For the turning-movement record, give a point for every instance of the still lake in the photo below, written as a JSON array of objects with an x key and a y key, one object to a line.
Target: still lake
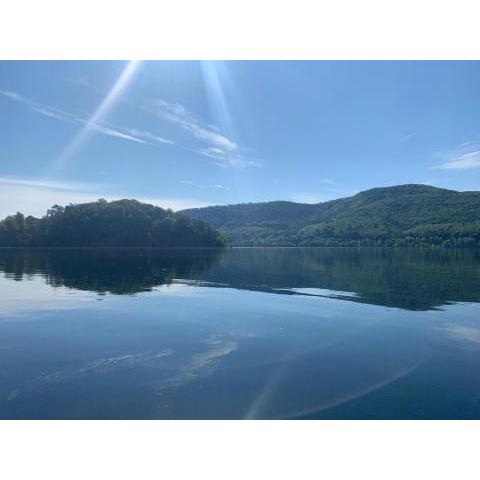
[{"x": 239, "y": 333}]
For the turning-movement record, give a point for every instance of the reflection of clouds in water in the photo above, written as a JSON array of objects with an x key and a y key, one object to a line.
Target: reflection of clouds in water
[
  {"x": 200, "y": 365},
  {"x": 197, "y": 366},
  {"x": 178, "y": 288},
  {"x": 203, "y": 363},
  {"x": 308, "y": 292},
  {"x": 461, "y": 332},
  {"x": 322, "y": 292},
  {"x": 102, "y": 366}
]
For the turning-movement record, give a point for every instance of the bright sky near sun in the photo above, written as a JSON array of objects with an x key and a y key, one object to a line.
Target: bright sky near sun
[{"x": 183, "y": 134}]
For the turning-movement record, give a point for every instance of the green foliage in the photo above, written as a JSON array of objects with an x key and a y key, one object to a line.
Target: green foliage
[
  {"x": 405, "y": 215},
  {"x": 102, "y": 223}
]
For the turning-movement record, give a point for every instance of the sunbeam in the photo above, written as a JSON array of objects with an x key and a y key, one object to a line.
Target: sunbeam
[
  {"x": 214, "y": 77},
  {"x": 100, "y": 113},
  {"x": 220, "y": 89}
]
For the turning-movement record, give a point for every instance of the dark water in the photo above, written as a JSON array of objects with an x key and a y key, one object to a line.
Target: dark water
[{"x": 241, "y": 333}]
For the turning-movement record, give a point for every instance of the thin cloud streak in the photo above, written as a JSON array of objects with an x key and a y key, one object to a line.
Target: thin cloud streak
[
  {"x": 178, "y": 114},
  {"x": 198, "y": 185},
  {"x": 133, "y": 135},
  {"x": 226, "y": 159},
  {"x": 223, "y": 150},
  {"x": 39, "y": 107},
  {"x": 406, "y": 138},
  {"x": 51, "y": 184},
  {"x": 112, "y": 132},
  {"x": 150, "y": 136},
  {"x": 466, "y": 161}
]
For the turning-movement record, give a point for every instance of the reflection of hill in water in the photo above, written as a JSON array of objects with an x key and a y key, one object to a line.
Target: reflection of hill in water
[
  {"x": 412, "y": 279},
  {"x": 119, "y": 271}
]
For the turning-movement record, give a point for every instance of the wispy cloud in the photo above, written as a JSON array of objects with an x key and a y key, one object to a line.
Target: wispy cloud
[
  {"x": 326, "y": 181},
  {"x": 223, "y": 150},
  {"x": 406, "y": 138},
  {"x": 224, "y": 158},
  {"x": 112, "y": 131},
  {"x": 466, "y": 161},
  {"x": 465, "y": 157},
  {"x": 176, "y": 113},
  {"x": 50, "y": 113},
  {"x": 39, "y": 107},
  {"x": 213, "y": 145},
  {"x": 218, "y": 186},
  {"x": 149, "y": 136},
  {"x": 133, "y": 135},
  {"x": 50, "y": 184}
]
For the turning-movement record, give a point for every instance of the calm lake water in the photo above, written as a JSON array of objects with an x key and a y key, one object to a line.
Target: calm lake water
[{"x": 241, "y": 333}]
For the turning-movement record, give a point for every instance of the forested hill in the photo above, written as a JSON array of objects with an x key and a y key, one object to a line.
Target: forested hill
[
  {"x": 102, "y": 223},
  {"x": 402, "y": 215}
]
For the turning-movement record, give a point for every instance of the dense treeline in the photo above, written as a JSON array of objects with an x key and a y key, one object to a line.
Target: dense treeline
[
  {"x": 405, "y": 215},
  {"x": 102, "y": 223}
]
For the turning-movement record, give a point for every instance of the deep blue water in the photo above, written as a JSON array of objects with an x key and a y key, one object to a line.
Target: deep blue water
[{"x": 241, "y": 333}]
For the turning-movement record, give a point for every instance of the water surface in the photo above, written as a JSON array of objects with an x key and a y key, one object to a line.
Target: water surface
[{"x": 239, "y": 333}]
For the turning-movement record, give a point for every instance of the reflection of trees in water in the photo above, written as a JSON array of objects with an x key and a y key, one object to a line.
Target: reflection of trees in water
[
  {"x": 118, "y": 271},
  {"x": 413, "y": 279}
]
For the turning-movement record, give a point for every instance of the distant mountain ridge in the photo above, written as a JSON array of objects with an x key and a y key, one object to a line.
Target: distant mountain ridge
[{"x": 401, "y": 215}]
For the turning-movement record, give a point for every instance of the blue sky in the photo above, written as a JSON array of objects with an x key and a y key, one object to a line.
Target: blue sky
[{"x": 182, "y": 134}]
